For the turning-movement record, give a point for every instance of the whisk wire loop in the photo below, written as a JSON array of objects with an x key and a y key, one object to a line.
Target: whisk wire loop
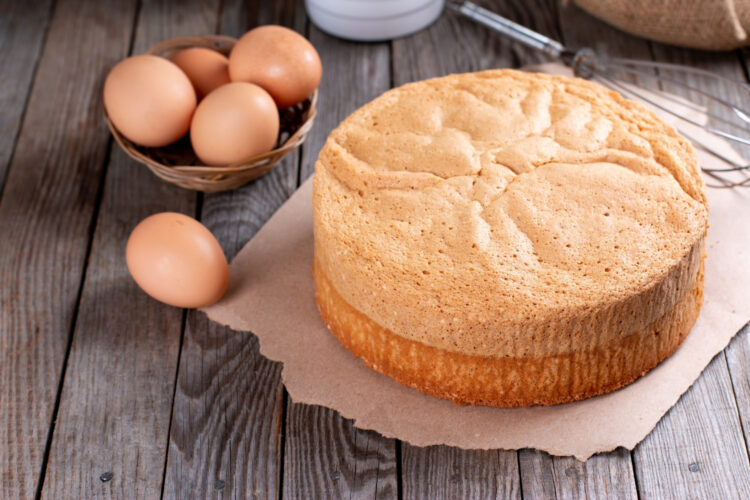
[
  {"x": 615, "y": 85},
  {"x": 588, "y": 64}
]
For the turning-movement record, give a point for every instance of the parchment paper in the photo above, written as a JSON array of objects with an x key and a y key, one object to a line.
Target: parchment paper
[{"x": 271, "y": 294}]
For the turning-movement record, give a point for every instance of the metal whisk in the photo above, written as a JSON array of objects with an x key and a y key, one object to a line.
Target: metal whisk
[{"x": 613, "y": 72}]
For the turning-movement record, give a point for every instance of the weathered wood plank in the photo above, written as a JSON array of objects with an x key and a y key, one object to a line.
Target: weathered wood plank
[
  {"x": 738, "y": 360},
  {"x": 222, "y": 441},
  {"x": 660, "y": 469},
  {"x": 45, "y": 221},
  {"x": 325, "y": 455},
  {"x": 227, "y": 418},
  {"x": 22, "y": 29},
  {"x": 116, "y": 399},
  {"x": 226, "y": 438},
  {"x": 239, "y": 16},
  {"x": 226, "y": 428},
  {"x": 117, "y": 395},
  {"x": 579, "y": 29},
  {"x": 454, "y": 45},
  {"x": 699, "y": 449},
  {"x": 608, "y": 475},
  {"x": 438, "y": 472}
]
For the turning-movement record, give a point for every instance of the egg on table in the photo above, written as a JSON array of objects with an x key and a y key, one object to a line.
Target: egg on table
[
  {"x": 149, "y": 100},
  {"x": 176, "y": 260},
  {"x": 206, "y": 68},
  {"x": 278, "y": 59},
  {"x": 233, "y": 123}
]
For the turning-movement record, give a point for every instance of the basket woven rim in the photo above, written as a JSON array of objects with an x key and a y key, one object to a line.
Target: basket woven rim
[
  {"x": 207, "y": 175},
  {"x": 290, "y": 143}
]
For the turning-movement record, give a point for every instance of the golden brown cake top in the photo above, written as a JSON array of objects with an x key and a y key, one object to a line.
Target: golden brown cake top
[{"x": 459, "y": 210}]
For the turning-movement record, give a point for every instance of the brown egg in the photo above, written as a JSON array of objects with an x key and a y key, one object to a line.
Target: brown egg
[
  {"x": 233, "y": 123},
  {"x": 149, "y": 100},
  {"x": 176, "y": 260},
  {"x": 206, "y": 68},
  {"x": 279, "y": 60}
]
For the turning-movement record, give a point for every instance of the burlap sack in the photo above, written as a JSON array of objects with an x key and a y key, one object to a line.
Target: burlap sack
[{"x": 700, "y": 24}]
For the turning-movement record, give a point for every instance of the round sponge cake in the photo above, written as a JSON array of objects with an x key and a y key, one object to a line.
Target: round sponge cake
[{"x": 507, "y": 238}]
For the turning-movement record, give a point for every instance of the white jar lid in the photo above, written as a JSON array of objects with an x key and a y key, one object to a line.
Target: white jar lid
[{"x": 371, "y": 20}]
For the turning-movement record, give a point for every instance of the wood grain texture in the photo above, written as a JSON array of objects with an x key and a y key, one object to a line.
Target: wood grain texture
[
  {"x": 116, "y": 400},
  {"x": 698, "y": 448},
  {"x": 445, "y": 472},
  {"x": 45, "y": 221},
  {"x": 22, "y": 29},
  {"x": 226, "y": 438},
  {"x": 453, "y": 45},
  {"x": 326, "y": 457},
  {"x": 738, "y": 361},
  {"x": 227, "y": 417},
  {"x": 579, "y": 29},
  {"x": 227, "y": 421},
  {"x": 608, "y": 475},
  {"x": 115, "y": 404},
  {"x": 737, "y": 354}
]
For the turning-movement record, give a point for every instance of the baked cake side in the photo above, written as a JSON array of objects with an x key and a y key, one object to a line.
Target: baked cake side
[{"x": 506, "y": 238}]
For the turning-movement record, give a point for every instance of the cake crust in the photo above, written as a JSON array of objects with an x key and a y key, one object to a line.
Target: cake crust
[
  {"x": 503, "y": 215},
  {"x": 504, "y": 381}
]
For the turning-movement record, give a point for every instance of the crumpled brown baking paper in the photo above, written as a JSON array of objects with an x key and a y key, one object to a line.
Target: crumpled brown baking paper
[{"x": 271, "y": 294}]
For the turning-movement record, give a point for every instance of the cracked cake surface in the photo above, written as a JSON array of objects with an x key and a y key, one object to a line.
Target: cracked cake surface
[{"x": 508, "y": 214}]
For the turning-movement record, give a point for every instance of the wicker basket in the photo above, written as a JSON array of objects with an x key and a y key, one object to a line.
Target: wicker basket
[{"x": 177, "y": 162}]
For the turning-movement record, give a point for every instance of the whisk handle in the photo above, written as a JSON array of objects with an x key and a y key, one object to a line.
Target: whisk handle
[{"x": 508, "y": 28}]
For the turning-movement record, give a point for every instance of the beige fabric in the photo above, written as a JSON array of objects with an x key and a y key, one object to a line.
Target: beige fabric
[{"x": 700, "y": 24}]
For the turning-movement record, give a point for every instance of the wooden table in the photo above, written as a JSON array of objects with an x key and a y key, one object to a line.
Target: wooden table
[{"x": 105, "y": 392}]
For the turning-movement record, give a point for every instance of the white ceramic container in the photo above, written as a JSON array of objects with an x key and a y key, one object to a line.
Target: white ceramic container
[{"x": 373, "y": 20}]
